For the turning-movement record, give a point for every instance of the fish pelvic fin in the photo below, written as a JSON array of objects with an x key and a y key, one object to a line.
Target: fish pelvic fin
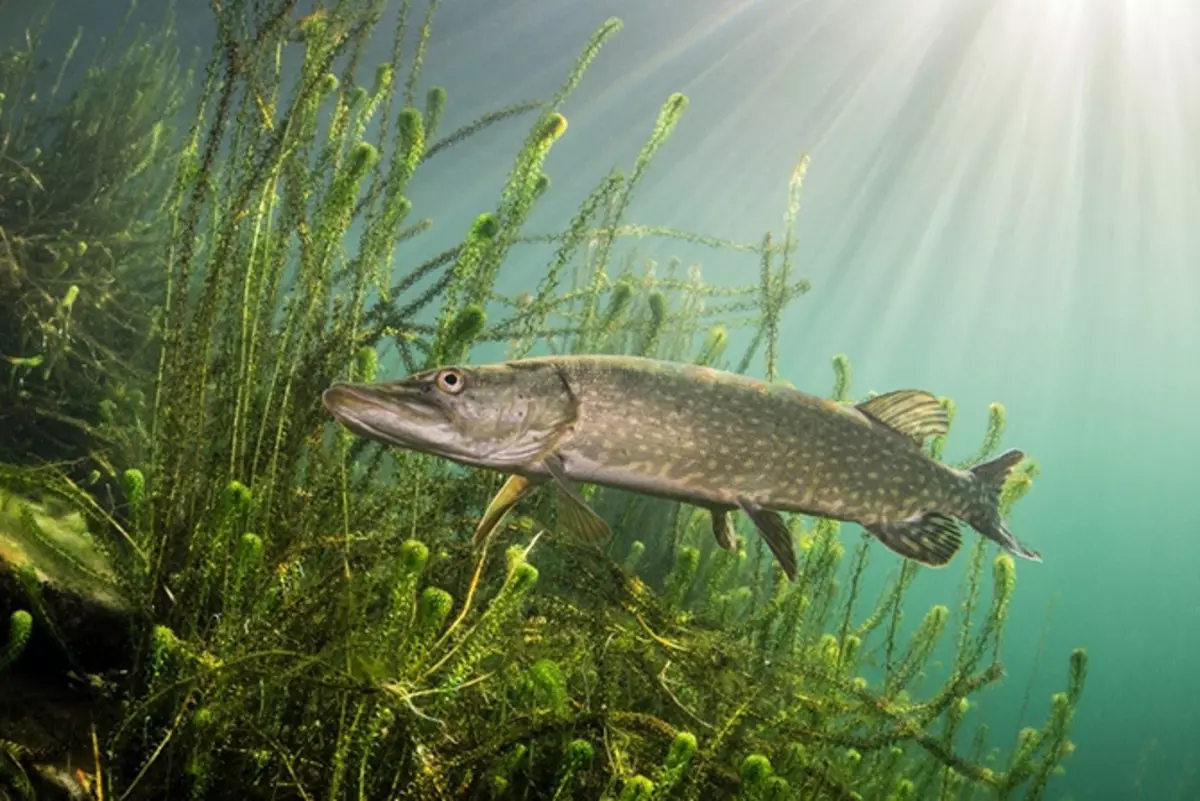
[
  {"x": 776, "y": 533},
  {"x": 722, "y": 528},
  {"x": 930, "y": 538},
  {"x": 985, "y": 517}
]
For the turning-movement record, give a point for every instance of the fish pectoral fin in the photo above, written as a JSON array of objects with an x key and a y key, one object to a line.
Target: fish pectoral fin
[
  {"x": 931, "y": 538},
  {"x": 573, "y": 511},
  {"x": 722, "y": 528},
  {"x": 914, "y": 413},
  {"x": 516, "y": 488},
  {"x": 580, "y": 519},
  {"x": 775, "y": 531}
]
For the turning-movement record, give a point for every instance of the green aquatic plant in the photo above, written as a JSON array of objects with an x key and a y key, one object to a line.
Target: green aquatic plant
[
  {"x": 309, "y": 618},
  {"x": 85, "y": 165},
  {"x": 20, "y": 625},
  {"x": 14, "y": 778}
]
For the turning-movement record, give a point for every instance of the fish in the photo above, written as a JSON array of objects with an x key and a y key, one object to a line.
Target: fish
[{"x": 716, "y": 440}]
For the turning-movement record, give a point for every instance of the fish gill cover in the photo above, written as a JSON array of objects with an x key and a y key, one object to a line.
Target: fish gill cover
[{"x": 301, "y": 612}]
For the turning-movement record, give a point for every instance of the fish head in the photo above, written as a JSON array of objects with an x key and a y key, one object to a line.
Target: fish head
[{"x": 501, "y": 416}]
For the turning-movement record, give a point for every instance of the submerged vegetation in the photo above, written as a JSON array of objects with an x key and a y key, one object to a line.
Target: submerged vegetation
[
  {"x": 83, "y": 176},
  {"x": 308, "y": 619}
]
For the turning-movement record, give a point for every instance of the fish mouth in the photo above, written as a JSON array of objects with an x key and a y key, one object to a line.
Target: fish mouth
[{"x": 395, "y": 413}]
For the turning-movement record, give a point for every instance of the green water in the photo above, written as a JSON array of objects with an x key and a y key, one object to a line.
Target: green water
[{"x": 1001, "y": 206}]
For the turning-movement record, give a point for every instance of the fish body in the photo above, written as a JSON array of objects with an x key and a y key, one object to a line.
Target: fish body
[
  {"x": 707, "y": 437},
  {"x": 697, "y": 435}
]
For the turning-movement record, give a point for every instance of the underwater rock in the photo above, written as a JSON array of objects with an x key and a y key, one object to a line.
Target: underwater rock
[
  {"x": 51, "y": 567},
  {"x": 45, "y": 737},
  {"x": 50, "y": 696}
]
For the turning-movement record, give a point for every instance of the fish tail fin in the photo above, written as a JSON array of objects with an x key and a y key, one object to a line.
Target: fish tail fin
[{"x": 985, "y": 517}]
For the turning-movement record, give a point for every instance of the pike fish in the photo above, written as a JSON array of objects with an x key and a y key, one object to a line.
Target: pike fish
[{"x": 713, "y": 439}]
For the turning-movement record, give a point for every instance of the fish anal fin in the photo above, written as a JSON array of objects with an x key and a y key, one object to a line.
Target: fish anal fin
[
  {"x": 722, "y": 528},
  {"x": 776, "y": 533},
  {"x": 930, "y": 538},
  {"x": 914, "y": 413},
  {"x": 514, "y": 489},
  {"x": 573, "y": 511}
]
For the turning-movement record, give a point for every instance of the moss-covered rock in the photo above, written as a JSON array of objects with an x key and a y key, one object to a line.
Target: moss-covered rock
[{"x": 51, "y": 566}]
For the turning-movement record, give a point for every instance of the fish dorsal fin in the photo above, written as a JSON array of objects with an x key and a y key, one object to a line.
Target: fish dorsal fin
[
  {"x": 912, "y": 412},
  {"x": 931, "y": 538},
  {"x": 573, "y": 511}
]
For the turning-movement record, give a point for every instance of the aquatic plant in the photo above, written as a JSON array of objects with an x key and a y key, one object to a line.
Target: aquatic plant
[
  {"x": 20, "y": 624},
  {"x": 84, "y": 170},
  {"x": 308, "y": 616}
]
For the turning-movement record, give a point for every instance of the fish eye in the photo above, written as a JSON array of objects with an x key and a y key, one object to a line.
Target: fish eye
[{"x": 450, "y": 381}]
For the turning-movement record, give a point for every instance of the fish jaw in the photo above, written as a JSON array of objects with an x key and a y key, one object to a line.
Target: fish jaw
[
  {"x": 489, "y": 416},
  {"x": 401, "y": 413},
  {"x": 396, "y": 413}
]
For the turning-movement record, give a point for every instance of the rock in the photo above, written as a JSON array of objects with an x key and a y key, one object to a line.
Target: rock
[
  {"x": 81, "y": 620},
  {"x": 50, "y": 695}
]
